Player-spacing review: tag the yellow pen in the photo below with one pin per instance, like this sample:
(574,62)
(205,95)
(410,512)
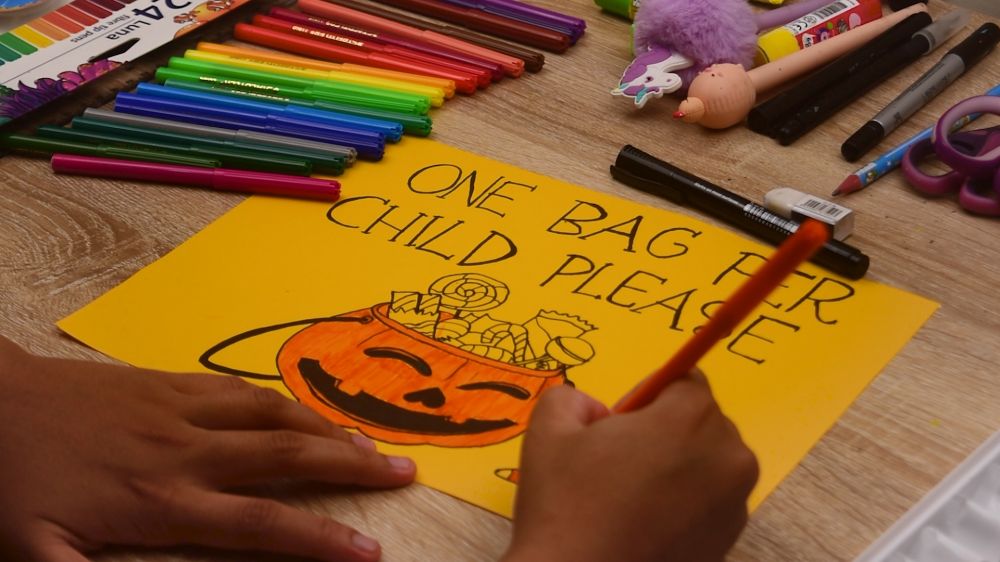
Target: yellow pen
(292,61)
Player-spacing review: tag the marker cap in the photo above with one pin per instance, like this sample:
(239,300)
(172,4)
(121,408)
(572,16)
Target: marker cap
(624,8)
(943,28)
(863,140)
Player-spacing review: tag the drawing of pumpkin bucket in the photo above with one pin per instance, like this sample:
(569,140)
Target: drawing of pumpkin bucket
(433,368)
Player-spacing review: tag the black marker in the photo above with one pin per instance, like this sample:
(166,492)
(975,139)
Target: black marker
(825,105)
(954,64)
(897,5)
(647,173)
(767,116)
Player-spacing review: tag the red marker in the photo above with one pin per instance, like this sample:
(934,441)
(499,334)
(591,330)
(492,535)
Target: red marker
(357,32)
(224,179)
(483,77)
(512,66)
(324,50)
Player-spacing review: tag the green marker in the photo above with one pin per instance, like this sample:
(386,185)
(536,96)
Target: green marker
(227,157)
(419,125)
(361,96)
(321,163)
(50,146)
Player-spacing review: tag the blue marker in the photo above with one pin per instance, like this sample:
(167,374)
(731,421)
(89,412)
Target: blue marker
(390,130)
(890,160)
(369,145)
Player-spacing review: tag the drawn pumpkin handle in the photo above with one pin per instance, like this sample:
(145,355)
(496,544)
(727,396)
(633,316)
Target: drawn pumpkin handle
(206,358)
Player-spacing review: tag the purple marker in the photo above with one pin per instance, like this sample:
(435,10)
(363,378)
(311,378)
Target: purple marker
(567,25)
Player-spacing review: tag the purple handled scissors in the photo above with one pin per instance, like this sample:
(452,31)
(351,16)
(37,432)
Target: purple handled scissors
(973,156)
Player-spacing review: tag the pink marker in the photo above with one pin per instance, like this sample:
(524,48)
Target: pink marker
(223,179)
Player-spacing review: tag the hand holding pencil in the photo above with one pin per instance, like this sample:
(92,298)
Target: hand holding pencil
(668,482)
(669,473)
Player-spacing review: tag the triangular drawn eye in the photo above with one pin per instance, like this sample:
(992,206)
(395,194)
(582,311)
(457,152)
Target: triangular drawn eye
(506,388)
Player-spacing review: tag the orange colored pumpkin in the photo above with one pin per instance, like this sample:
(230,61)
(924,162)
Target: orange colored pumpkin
(364,370)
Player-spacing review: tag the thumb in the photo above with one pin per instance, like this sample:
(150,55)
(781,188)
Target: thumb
(59,551)
(564,409)
(48,541)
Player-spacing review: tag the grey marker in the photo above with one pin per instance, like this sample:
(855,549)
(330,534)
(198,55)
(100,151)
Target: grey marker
(952,65)
(250,137)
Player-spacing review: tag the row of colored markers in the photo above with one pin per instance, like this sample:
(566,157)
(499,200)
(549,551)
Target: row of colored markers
(261,121)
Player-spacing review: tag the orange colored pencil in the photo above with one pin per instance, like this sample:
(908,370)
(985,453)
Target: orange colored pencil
(795,250)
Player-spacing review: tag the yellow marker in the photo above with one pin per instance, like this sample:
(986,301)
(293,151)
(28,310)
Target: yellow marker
(275,60)
(435,95)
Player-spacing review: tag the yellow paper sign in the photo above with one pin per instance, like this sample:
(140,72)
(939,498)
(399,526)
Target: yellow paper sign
(431,305)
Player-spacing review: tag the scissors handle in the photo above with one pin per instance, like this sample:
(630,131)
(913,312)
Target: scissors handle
(983,200)
(982,161)
(973,156)
(937,186)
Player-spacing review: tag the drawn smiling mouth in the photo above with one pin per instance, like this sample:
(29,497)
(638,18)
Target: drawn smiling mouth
(374,411)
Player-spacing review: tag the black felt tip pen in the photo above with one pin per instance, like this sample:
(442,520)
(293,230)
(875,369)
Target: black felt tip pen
(647,173)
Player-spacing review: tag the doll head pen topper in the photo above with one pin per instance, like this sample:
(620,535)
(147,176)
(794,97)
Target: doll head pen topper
(677,39)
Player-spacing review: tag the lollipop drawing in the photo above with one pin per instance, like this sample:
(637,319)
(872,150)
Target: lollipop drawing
(429,368)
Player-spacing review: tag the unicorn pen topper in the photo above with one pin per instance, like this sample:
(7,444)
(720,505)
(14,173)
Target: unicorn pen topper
(677,39)
(722,95)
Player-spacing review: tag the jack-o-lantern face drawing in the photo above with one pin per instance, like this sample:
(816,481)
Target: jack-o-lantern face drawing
(397,385)
(367,371)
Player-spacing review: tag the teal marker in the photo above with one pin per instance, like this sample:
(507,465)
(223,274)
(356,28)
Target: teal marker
(251,139)
(321,163)
(227,158)
(51,146)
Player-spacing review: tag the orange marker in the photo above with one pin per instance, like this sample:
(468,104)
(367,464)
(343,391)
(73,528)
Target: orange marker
(796,249)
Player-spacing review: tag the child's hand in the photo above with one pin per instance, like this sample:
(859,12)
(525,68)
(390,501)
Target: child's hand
(95,455)
(668,482)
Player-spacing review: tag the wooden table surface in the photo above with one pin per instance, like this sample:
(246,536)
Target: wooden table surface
(64,241)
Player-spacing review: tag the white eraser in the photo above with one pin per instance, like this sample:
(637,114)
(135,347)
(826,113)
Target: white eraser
(794,204)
